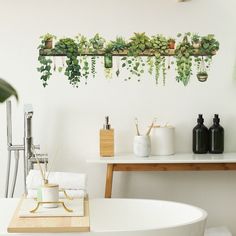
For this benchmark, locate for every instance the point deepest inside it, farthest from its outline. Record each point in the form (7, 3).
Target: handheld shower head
(28, 140)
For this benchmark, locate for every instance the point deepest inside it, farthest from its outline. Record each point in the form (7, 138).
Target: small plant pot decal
(202, 76)
(196, 41)
(196, 45)
(108, 62)
(48, 44)
(196, 50)
(171, 44)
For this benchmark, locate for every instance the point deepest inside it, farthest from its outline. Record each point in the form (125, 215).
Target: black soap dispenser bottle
(216, 135)
(200, 137)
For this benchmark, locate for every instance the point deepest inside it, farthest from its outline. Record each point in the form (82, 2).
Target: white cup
(50, 193)
(163, 143)
(142, 145)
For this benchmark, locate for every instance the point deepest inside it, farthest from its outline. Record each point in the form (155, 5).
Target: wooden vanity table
(177, 162)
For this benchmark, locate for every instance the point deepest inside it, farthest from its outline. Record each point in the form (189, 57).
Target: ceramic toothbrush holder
(50, 193)
(163, 141)
(142, 145)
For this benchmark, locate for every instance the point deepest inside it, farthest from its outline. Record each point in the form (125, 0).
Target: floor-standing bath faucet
(27, 148)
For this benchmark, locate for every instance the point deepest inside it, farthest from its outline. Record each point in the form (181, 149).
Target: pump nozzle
(200, 119)
(216, 118)
(107, 125)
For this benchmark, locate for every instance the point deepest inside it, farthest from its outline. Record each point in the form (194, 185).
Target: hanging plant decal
(160, 47)
(97, 43)
(140, 54)
(83, 46)
(69, 47)
(138, 44)
(45, 62)
(202, 71)
(183, 56)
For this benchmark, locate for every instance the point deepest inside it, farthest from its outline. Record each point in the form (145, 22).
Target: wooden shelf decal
(147, 53)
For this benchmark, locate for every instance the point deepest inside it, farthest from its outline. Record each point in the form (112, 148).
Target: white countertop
(177, 158)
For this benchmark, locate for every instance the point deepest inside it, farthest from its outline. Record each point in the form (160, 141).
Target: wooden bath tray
(49, 224)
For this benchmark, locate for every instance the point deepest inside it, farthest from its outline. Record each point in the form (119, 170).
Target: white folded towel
(65, 180)
(217, 231)
(32, 193)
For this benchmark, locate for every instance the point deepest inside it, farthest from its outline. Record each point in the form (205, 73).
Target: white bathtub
(146, 217)
(132, 217)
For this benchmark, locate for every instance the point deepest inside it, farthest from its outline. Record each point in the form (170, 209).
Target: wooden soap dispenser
(107, 140)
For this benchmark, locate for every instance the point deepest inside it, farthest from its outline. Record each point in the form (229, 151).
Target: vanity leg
(109, 178)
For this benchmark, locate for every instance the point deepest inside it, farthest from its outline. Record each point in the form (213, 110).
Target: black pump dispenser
(216, 134)
(200, 137)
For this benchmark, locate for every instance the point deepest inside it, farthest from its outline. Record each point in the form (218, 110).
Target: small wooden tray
(49, 224)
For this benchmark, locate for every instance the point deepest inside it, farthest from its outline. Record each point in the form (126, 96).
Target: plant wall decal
(139, 54)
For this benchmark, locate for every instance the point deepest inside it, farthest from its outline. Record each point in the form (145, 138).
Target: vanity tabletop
(130, 158)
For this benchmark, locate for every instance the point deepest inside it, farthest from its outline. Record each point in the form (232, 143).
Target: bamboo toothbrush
(136, 125)
(151, 126)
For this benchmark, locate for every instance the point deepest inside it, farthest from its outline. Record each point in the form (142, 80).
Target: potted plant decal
(117, 46)
(196, 41)
(138, 44)
(171, 43)
(209, 45)
(136, 53)
(47, 40)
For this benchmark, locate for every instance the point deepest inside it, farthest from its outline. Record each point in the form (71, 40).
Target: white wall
(67, 120)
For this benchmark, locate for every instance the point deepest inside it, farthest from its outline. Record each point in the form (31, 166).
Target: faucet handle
(41, 158)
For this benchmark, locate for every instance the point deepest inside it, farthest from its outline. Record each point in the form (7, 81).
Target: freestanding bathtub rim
(203, 216)
(197, 229)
